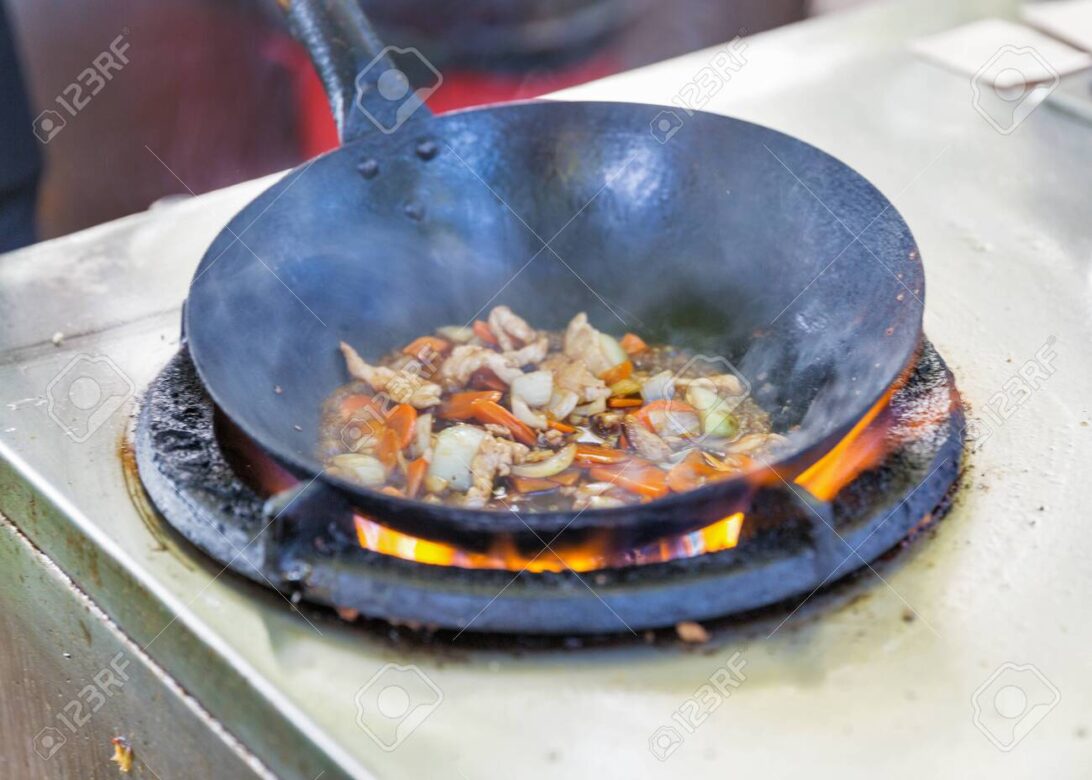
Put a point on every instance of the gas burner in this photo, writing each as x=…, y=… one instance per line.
x=213, y=486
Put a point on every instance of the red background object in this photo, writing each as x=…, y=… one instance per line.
x=460, y=89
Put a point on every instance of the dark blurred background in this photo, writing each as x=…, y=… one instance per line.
x=218, y=90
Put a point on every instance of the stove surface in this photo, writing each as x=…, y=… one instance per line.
x=877, y=676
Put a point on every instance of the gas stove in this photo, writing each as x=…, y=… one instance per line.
x=968, y=640
x=890, y=477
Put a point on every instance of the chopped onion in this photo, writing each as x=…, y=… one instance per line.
x=422, y=434
x=676, y=422
x=523, y=413
x=456, y=333
x=716, y=418
x=701, y=395
x=562, y=403
x=455, y=449
x=534, y=388
x=660, y=387
x=555, y=464
x=612, y=350
x=593, y=407
x=363, y=469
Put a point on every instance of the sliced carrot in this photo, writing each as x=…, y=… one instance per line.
x=470, y=396
x=482, y=331
x=358, y=402
x=415, y=476
x=624, y=403
x=689, y=473
x=632, y=344
x=617, y=373
x=429, y=345
x=560, y=426
x=593, y=454
x=644, y=414
x=646, y=480
x=391, y=490
x=387, y=448
x=460, y=405
x=401, y=420
x=532, y=484
x=692, y=471
x=492, y=412
x=568, y=477
x=366, y=426
x=484, y=377
x=650, y=482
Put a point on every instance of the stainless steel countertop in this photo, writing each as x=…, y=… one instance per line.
x=853, y=684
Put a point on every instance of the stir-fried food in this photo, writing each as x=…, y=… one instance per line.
x=502, y=415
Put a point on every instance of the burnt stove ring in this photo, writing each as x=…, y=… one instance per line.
x=303, y=541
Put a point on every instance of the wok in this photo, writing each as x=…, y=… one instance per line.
x=731, y=239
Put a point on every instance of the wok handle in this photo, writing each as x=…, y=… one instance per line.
x=350, y=59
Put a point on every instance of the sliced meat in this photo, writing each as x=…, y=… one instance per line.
x=509, y=327
x=648, y=445
x=495, y=458
x=574, y=375
x=404, y=387
x=465, y=359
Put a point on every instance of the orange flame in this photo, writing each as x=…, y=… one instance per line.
x=504, y=555
x=864, y=446
x=861, y=448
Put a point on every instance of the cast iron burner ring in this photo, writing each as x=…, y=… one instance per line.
x=303, y=541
